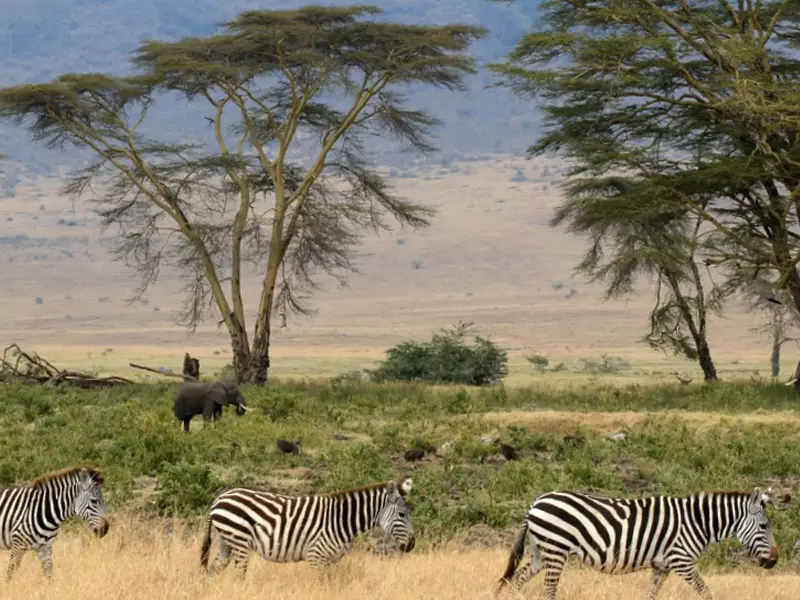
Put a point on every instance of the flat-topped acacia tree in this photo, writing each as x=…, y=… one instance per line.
x=276, y=83
x=680, y=122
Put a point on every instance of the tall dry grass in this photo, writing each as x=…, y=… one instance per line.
x=135, y=562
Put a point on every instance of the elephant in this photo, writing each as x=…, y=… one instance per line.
x=206, y=399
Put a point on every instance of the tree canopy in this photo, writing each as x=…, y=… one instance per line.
x=671, y=109
x=291, y=97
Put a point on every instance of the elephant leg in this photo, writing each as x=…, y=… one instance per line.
x=186, y=424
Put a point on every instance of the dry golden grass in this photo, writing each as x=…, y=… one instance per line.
x=132, y=562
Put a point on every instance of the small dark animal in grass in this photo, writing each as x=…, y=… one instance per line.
x=509, y=452
x=414, y=455
x=207, y=399
x=288, y=447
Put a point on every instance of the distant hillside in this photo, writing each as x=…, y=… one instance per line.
x=41, y=39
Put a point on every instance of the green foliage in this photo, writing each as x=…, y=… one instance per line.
x=186, y=488
x=682, y=134
x=445, y=359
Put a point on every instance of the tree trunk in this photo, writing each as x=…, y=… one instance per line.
x=775, y=357
x=259, y=359
x=241, y=354
x=704, y=358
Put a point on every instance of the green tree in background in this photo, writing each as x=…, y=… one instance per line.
x=280, y=86
x=670, y=112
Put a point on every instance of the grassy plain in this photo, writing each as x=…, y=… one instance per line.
x=678, y=439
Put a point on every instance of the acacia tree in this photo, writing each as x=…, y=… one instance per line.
x=694, y=105
x=658, y=242
x=780, y=317
x=278, y=85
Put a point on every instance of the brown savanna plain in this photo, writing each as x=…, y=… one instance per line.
x=489, y=257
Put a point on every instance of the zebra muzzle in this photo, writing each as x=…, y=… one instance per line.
x=772, y=560
x=102, y=529
x=409, y=545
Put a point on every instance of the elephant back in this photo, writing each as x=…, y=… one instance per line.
x=190, y=399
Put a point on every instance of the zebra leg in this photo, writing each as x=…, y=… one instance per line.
x=241, y=556
x=13, y=563
x=529, y=571
x=656, y=581
x=553, y=565
x=692, y=576
x=223, y=558
x=45, y=554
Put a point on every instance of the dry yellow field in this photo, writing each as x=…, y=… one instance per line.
x=129, y=563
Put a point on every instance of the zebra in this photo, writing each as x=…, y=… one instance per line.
x=613, y=535
x=318, y=529
x=31, y=514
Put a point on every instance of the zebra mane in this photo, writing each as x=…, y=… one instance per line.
x=363, y=488
x=93, y=472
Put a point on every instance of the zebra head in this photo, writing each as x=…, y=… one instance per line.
x=755, y=531
x=89, y=503
x=395, y=516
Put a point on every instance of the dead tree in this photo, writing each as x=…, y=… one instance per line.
x=191, y=368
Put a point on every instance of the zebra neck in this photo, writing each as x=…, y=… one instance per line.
x=357, y=512
x=716, y=516
x=56, y=501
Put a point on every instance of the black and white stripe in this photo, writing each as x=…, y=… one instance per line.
x=665, y=533
x=31, y=514
x=318, y=529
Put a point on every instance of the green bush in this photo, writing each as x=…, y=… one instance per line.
x=447, y=358
x=186, y=488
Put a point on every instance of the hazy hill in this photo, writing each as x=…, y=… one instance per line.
x=41, y=39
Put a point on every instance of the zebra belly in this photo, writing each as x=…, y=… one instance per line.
x=279, y=544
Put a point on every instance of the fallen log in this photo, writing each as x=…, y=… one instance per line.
x=183, y=376
x=31, y=368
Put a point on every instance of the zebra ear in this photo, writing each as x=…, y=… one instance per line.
x=405, y=487
x=759, y=499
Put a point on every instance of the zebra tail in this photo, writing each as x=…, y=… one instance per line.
x=516, y=555
x=206, y=544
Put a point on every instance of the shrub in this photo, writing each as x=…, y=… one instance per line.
x=186, y=488
x=539, y=362
x=445, y=359
x=607, y=364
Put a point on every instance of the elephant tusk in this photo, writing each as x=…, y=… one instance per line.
x=788, y=383
x=244, y=407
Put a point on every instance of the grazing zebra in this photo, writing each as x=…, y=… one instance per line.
x=665, y=533
x=30, y=514
x=316, y=528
